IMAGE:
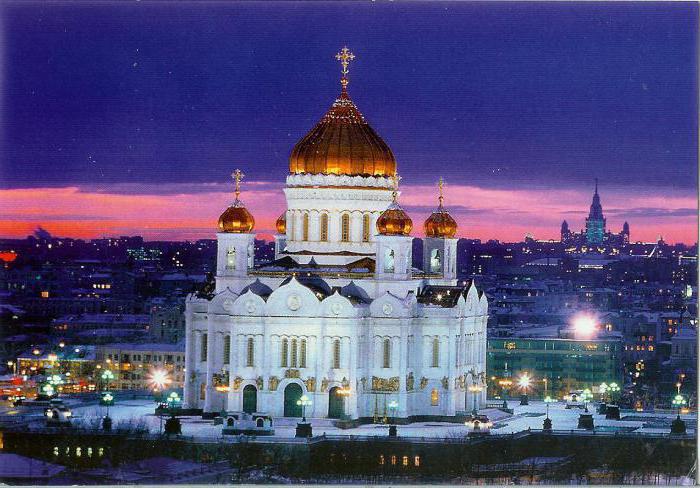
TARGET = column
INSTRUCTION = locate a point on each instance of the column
(209, 392)
(190, 351)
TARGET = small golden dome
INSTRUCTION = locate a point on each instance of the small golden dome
(394, 222)
(236, 218)
(281, 223)
(440, 223)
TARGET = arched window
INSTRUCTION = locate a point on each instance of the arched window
(336, 353)
(386, 363)
(203, 349)
(302, 354)
(250, 356)
(365, 227)
(389, 261)
(435, 263)
(434, 397)
(436, 352)
(227, 349)
(231, 258)
(305, 227)
(345, 228)
(285, 347)
(294, 353)
(202, 391)
(324, 227)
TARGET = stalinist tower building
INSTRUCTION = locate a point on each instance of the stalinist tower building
(341, 315)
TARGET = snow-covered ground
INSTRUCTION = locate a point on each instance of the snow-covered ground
(524, 417)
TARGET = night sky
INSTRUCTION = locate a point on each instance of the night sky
(128, 118)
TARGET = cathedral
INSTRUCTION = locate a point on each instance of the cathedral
(340, 316)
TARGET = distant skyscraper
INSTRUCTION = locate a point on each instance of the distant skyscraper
(565, 232)
(595, 223)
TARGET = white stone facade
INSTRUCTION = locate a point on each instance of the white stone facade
(392, 334)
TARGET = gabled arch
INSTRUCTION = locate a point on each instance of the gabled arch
(337, 305)
(292, 299)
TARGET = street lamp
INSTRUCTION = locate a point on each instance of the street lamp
(678, 425)
(584, 326)
(603, 389)
(586, 397)
(547, 420)
(678, 402)
(474, 389)
(304, 402)
(524, 384)
(613, 388)
(107, 377)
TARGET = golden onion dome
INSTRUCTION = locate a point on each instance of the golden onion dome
(394, 221)
(281, 223)
(343, 143)
(236, 218)
(440, 223)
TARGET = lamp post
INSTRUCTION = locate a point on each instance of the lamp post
(393, 406)
(505, 384)
(678, 425)
(586, 396)
(107, 377)
(524, 384)
(603, 389)
(547, 420)
(474, 389)
(613, 388)
(303, 402)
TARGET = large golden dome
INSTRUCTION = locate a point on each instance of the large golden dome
(236, 218)
(342, 143)
(440, 223)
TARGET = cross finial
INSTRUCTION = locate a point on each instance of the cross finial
(237, 177)
(395, 179)
(596, 185)
(344, 56)
(441, 183)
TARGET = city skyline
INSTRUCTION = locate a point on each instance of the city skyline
(143, 141)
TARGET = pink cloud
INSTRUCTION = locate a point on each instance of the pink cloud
(191, 211)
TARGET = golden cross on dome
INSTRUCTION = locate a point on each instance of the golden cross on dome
(344, 56)
(441, 183)
(237, 177)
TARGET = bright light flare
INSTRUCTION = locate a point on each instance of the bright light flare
(158, 379)
(524, 381)
(585, 326)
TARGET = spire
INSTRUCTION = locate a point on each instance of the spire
(596, 186)
(441, 183)
(344, 56)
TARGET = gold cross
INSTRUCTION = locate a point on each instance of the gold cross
(237, 177)
(441, 183)
(396, 178)
(344, 56)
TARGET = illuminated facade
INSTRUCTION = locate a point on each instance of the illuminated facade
(340, 316)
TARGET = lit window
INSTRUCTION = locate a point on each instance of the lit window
(227, 349)
(405, 461)
(100, 451)
(345, 228)
(651, 348)
(302, 354)
(436, 352)
(55, 451)
(393, 460)
(250, 357)
(305, 227)
(416, 461)
(434, 398)
(389, 261)
(387, 354)
(44, 294)
(324, 227)
(336, 353)
(231, 258)
(203, 349)
(365, 228)
(285, 347)
(294, 353)
(381, 458)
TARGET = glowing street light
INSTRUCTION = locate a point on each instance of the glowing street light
(158, 378)
(107, 376)
(524, 383)
(678, 402)
(304, 402)
(547, 400)
(586, 396)
(474, 389)
(613, 388)
(584, 326)
(603, 389)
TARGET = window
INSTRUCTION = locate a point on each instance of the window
(203, 350)
(302, 354)
(345, 228)
(405, 461)
(285, 346)
(381, 457)
(389, 261)
(336, 353)
(202, 391)
(250, 356)
(227, 349)
(305, 228)
(324, 227)
(434, 399)
(365, 228)
(436, 353)
(416, 461)
(387, 354)
(294, 353)
(393, 460)
(231, 258)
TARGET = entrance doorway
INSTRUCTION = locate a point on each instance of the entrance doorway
(336, 404)
(292, 393)
(250, 399)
